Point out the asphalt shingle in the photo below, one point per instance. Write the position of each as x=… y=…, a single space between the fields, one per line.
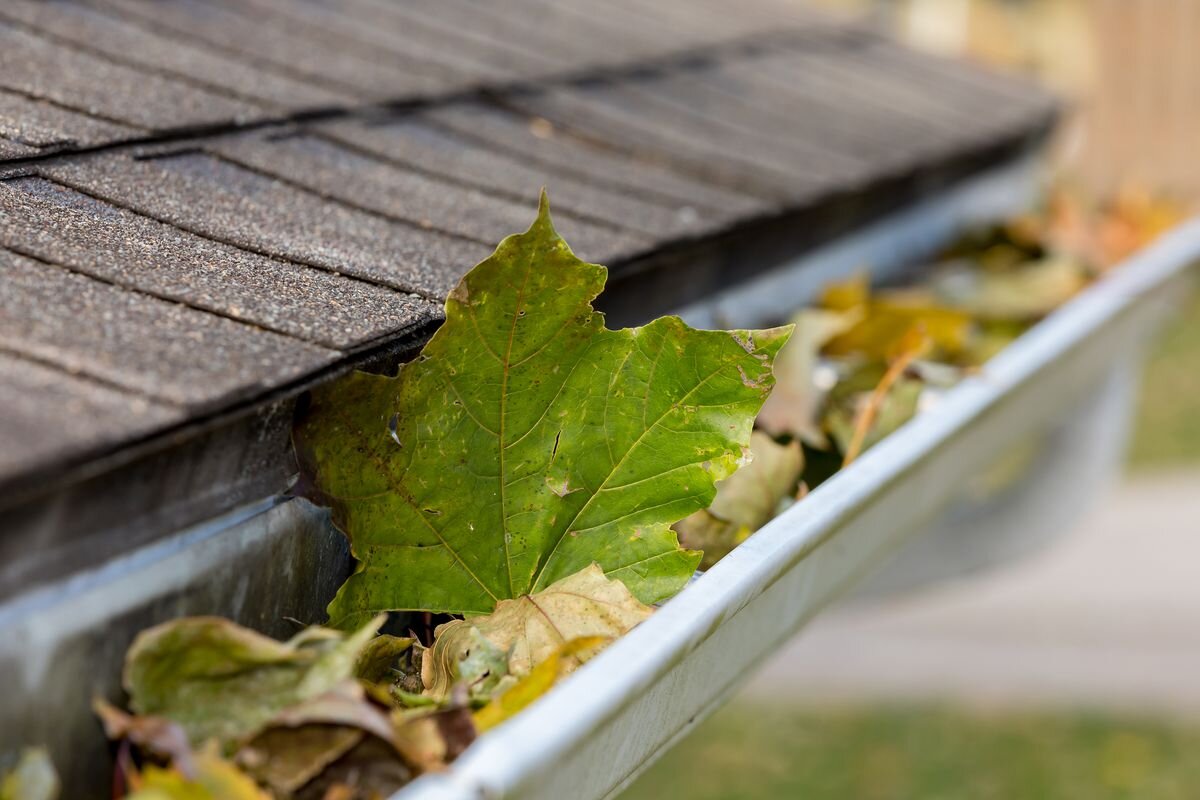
x=86 y=416
x=367 y=181
x=281 y=46
x=37 y=126
x=206 y=194
x=100 y=88
x=406 y=139
x=536 y=142
x=57 y=224
x=108 y=35
x=163 y=350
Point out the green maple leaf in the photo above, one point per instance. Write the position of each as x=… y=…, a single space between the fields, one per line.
x=527 y=441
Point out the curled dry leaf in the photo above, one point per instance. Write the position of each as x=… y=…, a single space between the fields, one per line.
x=383 y=659
x=746 y=500
x=508 y=703
x=33 y=777
x=429 y=739
x=528 y=441
x=474 y=660
x=156 y=736
x=218 y=680
x=794 y=406
x=530 y=629
x=285 y=759
x=345 y=704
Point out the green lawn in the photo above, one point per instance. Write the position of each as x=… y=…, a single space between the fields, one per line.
x=928 y=753
x=749 y=753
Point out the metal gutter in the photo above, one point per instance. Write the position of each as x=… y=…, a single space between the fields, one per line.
x=594 y=733
x=886 y=248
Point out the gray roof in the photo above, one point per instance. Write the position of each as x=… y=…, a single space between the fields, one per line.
x=207 y=205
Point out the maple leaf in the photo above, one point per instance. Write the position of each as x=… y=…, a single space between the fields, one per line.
x=528 y=441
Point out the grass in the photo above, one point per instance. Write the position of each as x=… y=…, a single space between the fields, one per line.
x=1168 y=425
x=756 y=753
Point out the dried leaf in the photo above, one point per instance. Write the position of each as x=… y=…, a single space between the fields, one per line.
x=1026 y=291
x=154 y=735
x=880 y=333
x=911 y=346
x=382 y=657
x=530 y=629
x=527 y=441
x=898 y=406
x=215 y=779
x=369 y=771
x=219 y=680
x=794 y=405
x=305 y=738
x=568 y=657
x=483 y=666
x=751 y=496
x=285 y=759
x=852 y=294
x=32 y=778
x=430 y=739
x=345 y=704
x=746 y=500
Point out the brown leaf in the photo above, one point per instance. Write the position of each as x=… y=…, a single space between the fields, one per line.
x=527 y=630
x=345 y=704
x=430 y=739
x=794 y=406
x=285 y=759
x=369 y=771
x=155 y=735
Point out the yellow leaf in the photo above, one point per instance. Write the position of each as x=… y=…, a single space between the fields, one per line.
x=540 y=680
x=33 y=778
x=215 y=779
x=847 y=295
x=907 y=348
x=880 y=333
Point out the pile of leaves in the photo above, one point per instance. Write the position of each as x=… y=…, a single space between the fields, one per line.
x=527 y=480
x=863 y=362
x=517 y=482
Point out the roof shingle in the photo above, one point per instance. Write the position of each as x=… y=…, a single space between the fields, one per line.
x=266 y=191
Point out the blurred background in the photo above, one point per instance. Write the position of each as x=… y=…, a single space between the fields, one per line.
x=1075 y=672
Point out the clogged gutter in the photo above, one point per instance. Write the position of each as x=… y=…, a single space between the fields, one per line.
x=525 y=479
